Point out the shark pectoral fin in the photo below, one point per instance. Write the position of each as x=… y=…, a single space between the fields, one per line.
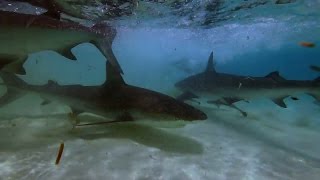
x=187 y=95
x=73 y=116
x=279 y=101
x=244 y=114
x=76 y=111
x=229 y=102
x=123 y=117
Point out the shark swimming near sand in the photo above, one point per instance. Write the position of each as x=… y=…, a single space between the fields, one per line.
x=226 y=89
x=114 y=99
x=23 y=34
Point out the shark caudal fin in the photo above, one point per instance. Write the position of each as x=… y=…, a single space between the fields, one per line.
x=105 y=44
x=210 y=66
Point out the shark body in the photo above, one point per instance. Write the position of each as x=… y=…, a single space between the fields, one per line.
x=226 y=89
x=22 y=34
x=101 y=9
x=112 y=99
x=56 y=7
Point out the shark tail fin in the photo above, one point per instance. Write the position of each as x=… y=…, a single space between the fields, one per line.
x=12 y=82
x=105 y=44
x=211 y=64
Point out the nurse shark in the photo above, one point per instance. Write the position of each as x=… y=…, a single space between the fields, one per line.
x=114 y=99
x=226 y=89
x=22 y=34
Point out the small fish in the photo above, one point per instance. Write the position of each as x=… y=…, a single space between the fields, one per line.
x=59 y=153
x=307 y=44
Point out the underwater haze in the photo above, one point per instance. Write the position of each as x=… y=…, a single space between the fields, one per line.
x=157 y=45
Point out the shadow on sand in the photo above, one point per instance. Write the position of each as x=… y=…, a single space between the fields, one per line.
x=16 y=137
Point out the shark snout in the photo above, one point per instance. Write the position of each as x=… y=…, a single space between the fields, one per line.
x=193 y=114
x=199 y=115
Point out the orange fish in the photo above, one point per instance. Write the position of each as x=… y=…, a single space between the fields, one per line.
x=307 y=44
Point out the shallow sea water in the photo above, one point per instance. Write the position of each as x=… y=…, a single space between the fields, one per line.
x=225 y=146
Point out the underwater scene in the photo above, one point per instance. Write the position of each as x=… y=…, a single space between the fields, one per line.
x=160 y=89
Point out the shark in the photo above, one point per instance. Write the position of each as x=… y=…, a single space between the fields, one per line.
x=23 y=34
x=227 y=89
x=114 y=99
x=56 y=7
x=101 y=9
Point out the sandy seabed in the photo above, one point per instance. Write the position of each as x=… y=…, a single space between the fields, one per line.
x=271 y=143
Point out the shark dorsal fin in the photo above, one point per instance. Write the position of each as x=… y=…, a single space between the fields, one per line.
x=275 y=75
x=113 y=76
x=210 y=65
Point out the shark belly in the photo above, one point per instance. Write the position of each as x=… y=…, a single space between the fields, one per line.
x=20 y=42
